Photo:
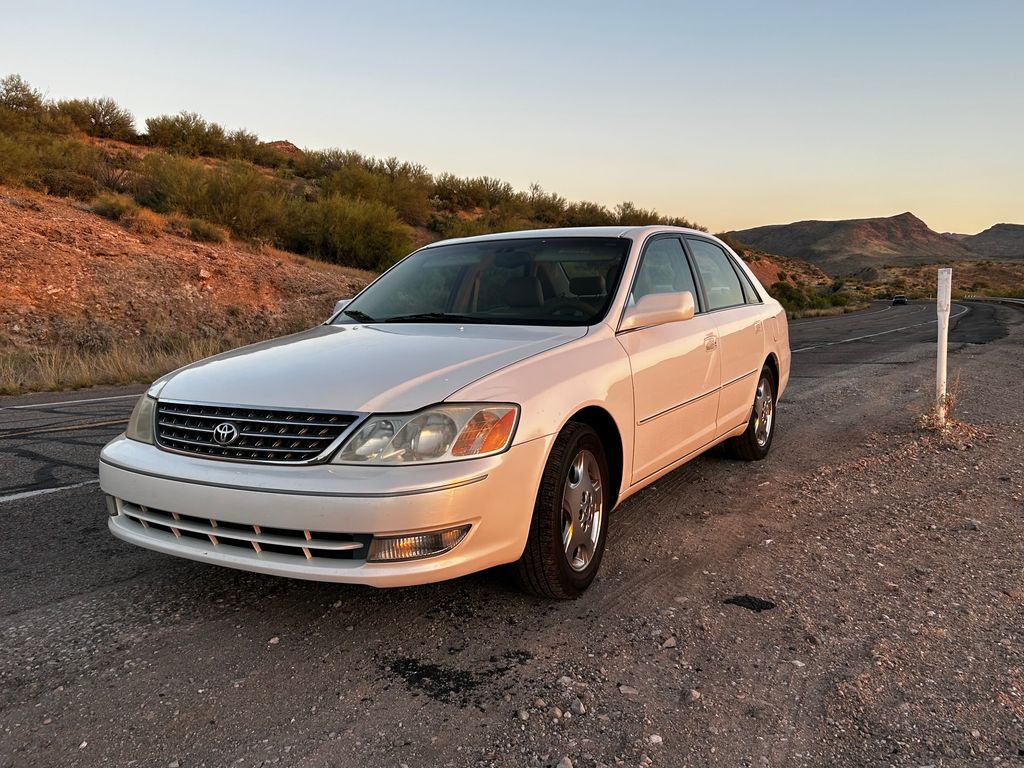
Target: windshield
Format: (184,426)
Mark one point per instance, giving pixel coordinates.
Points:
(532,281)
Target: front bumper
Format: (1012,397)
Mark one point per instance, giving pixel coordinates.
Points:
(494,496)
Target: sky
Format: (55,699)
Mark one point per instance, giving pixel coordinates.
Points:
(732,114)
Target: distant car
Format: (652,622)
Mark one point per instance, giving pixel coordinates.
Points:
(899,298)
(486,401)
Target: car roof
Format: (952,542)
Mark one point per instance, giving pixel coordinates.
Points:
(619,231)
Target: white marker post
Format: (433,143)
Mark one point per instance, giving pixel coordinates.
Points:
(942,310)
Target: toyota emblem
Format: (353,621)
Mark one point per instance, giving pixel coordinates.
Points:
(225,433)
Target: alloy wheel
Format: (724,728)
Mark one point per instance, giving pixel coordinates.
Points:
(764,411)
(582,510)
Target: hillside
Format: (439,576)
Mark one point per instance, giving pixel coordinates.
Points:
(770,268)
(1000,241)
(105,304)
(847,246)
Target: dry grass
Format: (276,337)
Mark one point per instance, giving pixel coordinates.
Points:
(827,311)
(63,368)
(928,420)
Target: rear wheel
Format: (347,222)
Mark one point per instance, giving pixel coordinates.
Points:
(756,441)
(570,518)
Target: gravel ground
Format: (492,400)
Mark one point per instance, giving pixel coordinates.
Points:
(854,600)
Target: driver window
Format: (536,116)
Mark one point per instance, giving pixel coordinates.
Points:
(664,269)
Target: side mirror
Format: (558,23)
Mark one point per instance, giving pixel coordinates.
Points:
(340,306)
(658,309)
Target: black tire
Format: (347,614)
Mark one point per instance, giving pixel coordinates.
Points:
(748,446)
(544,569)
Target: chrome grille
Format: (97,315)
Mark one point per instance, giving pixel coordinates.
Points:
(257,434)
(254,540)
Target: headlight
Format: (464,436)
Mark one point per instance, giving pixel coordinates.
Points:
(140,425)
(442,433)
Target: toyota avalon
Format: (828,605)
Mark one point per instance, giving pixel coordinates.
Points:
(486,401)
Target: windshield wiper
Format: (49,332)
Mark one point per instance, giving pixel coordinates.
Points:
(435,317)
(358,316)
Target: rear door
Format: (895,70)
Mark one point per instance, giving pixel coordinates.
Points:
(739,315)
(675,366)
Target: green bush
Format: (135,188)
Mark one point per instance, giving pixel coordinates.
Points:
(245,201)
(587,214)
(189,134)
(403,186)
(358,233)
(196,229)
(103,118)
(168,183)
(18,96)
(115,207)
(17,160)
(795,298)
(63,183)
(733,243)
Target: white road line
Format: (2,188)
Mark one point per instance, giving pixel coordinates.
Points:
(880,333)
(41,491)
(69,402)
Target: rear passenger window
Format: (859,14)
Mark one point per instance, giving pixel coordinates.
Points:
(721,284)
(664,269)
(748,288)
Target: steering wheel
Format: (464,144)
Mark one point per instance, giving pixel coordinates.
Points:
(568,305)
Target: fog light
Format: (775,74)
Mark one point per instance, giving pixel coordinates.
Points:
(390,549)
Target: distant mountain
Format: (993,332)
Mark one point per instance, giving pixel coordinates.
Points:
(955,235)
(848,246)
(1000,241)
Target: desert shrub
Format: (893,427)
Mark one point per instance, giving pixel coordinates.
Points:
(168,183)
(17,161)
(454,226)
(188,134)
(267,156)
(357,233)
(244,200)
(63,183)
(196,229)
(403,186)
(733,243)
(800,298)
(321,163)
(587,214)
(18,96)
(627,213)
(789,296)
(104,118)
(55,152)
(546,208)
(118,172)
(144,222)
(116,207)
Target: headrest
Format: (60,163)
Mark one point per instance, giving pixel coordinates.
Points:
(524,292)
(592,285)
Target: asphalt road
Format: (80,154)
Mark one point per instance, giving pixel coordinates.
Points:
(114,654)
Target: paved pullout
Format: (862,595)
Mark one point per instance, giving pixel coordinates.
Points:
(884,562)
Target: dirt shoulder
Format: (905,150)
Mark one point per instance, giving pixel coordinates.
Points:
(887,559)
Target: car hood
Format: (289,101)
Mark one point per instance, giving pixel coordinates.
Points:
(369,368)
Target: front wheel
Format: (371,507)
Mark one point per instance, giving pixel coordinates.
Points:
(570,518)
(756,441)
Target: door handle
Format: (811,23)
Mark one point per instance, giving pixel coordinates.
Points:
(710,341)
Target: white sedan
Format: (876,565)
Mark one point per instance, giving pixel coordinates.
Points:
(486,401)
